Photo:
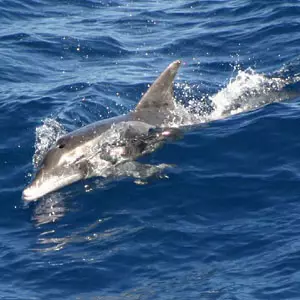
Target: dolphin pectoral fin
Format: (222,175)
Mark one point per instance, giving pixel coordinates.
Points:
(160,94)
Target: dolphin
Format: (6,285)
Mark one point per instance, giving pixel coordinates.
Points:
(99,148)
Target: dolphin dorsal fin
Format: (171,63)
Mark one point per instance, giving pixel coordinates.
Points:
(160,94)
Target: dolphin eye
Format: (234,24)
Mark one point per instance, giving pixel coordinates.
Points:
(60,146)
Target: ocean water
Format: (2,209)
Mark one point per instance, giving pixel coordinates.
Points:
(224,221)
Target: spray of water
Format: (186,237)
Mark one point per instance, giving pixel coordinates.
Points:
(246,91)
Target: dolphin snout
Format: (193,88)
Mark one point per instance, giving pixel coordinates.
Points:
(33,190)
(47,181)
(29,193)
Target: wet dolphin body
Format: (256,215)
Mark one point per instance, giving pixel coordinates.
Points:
(109,143)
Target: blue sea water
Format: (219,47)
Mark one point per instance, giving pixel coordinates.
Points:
(224,221)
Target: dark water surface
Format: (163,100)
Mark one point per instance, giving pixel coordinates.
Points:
(224,222)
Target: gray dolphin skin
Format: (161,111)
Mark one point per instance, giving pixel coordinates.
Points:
(101,147)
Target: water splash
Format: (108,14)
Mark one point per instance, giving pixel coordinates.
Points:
(45,136)
(248,90)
